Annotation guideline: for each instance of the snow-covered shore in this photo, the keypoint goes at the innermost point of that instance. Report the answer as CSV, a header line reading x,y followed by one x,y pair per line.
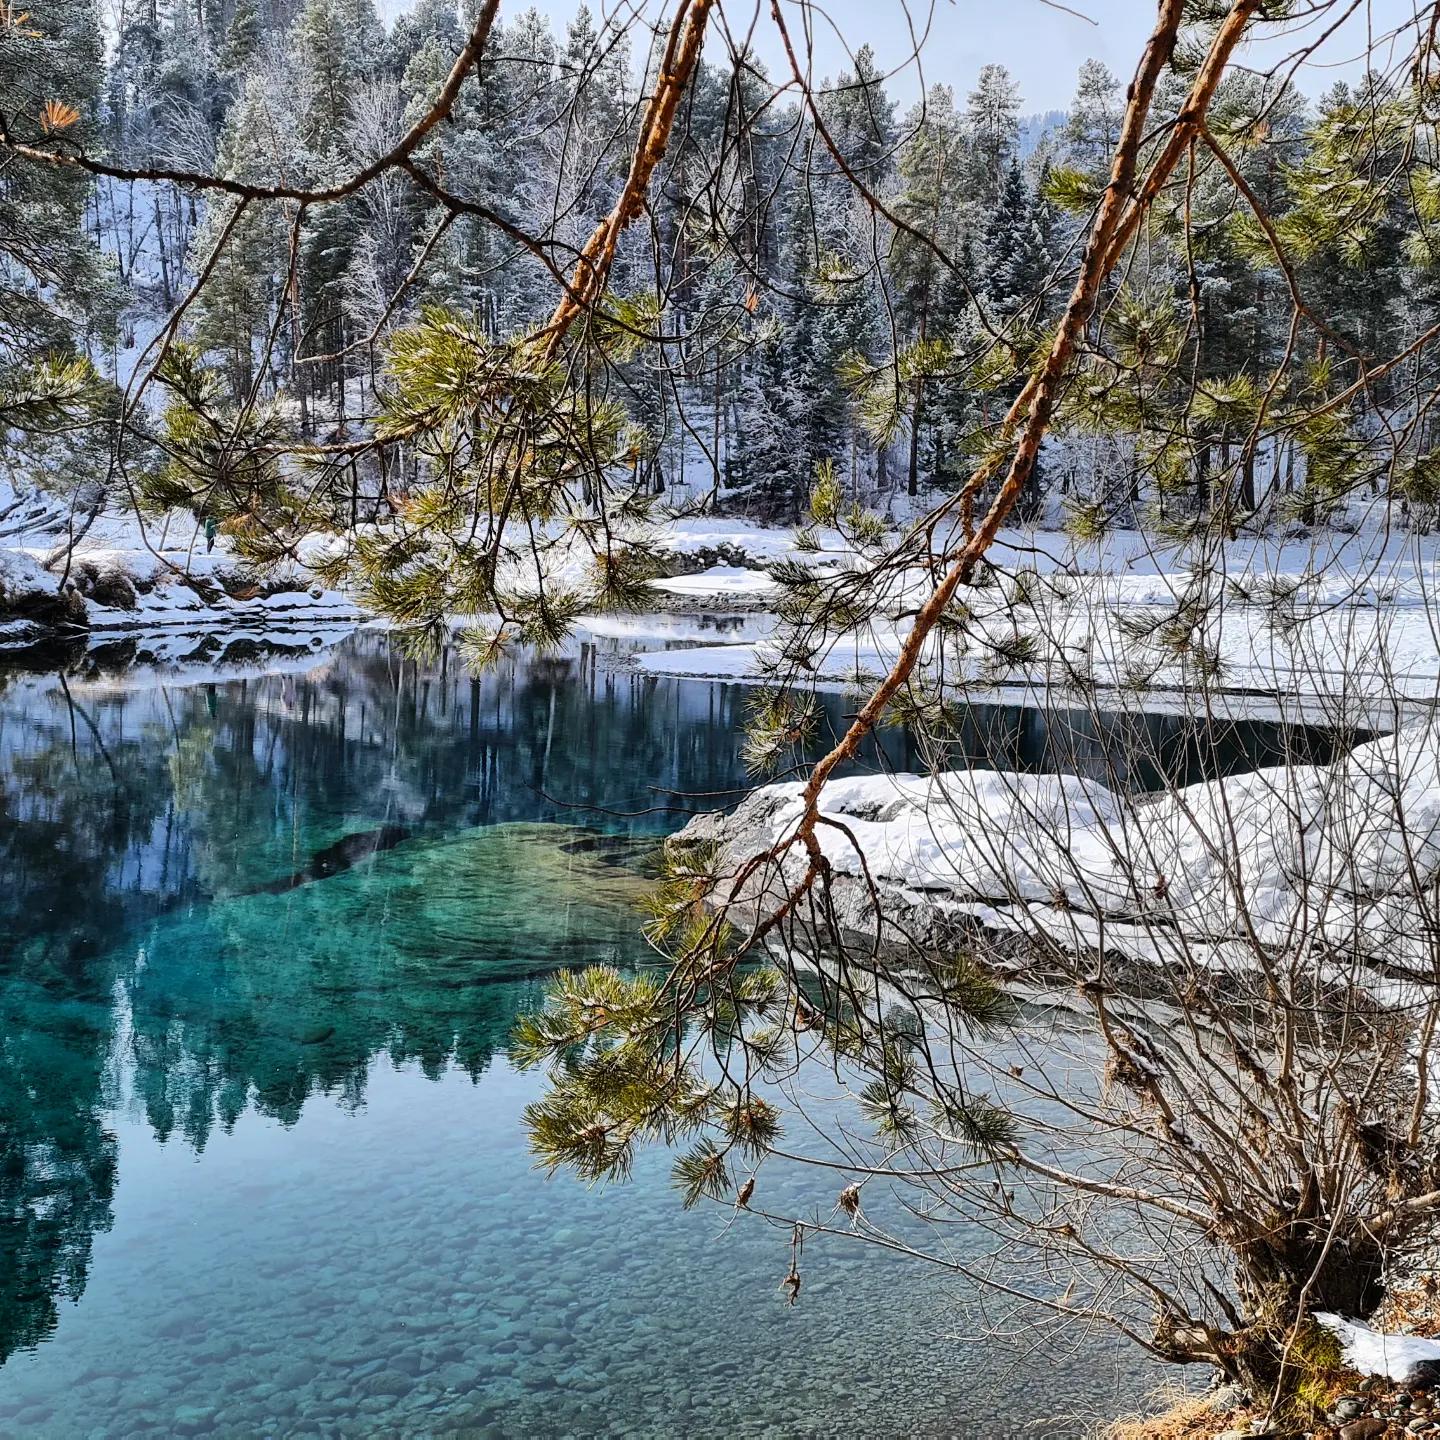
x,y
1343,619
123,575
1283,856
1336,622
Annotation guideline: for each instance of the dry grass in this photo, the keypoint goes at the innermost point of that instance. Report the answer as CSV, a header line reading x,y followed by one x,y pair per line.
x,y
1184,1416
1413,1309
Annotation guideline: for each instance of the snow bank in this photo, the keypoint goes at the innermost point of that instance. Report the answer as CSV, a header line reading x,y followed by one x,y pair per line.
x,y
20,572
126,574
1357,615
1349,652
748,542
1331,615
1405,1359
718,580
1287,855
31,604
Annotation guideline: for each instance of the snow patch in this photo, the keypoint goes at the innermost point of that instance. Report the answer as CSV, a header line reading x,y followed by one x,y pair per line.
x,y
1405,1359
718,580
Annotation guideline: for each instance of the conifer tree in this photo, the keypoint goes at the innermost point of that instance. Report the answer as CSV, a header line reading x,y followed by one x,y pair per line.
x,y
931,169
992,118
1093,123
54,284
58,294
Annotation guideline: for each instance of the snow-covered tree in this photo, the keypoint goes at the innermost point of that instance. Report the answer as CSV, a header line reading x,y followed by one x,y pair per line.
x,y
992,116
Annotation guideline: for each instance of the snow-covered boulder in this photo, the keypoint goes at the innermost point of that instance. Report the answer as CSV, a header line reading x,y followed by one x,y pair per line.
x,y
30,595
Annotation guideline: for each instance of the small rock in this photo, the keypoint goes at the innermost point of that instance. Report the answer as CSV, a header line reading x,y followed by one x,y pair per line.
x,y
192,1419
1347,1407
1364,1429
1420,1424
1228,1397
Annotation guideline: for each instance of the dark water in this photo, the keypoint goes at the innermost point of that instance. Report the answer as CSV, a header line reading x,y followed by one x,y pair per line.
x,y
261,1163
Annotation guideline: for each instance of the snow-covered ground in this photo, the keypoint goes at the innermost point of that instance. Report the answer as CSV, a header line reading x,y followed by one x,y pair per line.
x,y
1407,1359
151,575
1344,618
1289,857
1341,620
719,582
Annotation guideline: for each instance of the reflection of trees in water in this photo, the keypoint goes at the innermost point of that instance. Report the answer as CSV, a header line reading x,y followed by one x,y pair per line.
x,y
119,811
74,807
145,820
428,956
57,1167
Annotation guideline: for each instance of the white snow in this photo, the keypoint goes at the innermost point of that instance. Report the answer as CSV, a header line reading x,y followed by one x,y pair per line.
x,y
1371,1352
680,628
168,561
1342,619
760,544
1285,855
22,574
718,580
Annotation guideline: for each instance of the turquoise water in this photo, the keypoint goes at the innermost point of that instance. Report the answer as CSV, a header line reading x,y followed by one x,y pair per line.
x,y
262,1169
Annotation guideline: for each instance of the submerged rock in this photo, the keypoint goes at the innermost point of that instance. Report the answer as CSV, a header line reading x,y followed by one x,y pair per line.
x,y
343,855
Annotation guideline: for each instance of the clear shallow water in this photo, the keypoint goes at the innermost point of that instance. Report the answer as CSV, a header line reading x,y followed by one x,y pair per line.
x,y
261,1163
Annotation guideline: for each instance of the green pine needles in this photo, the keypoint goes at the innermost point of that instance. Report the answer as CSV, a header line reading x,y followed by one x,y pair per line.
x,y
696,1054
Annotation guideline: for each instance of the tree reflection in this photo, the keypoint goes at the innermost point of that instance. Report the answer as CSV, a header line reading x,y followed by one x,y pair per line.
x,y
165,945
140,826
75,812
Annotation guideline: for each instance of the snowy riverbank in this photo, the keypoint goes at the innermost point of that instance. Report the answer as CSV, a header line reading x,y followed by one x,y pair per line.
x,y
124,576
1339,854
1338,622
1343,620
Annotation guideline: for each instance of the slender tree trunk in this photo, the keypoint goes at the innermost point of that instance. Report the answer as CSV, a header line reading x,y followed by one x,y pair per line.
x,y
912,478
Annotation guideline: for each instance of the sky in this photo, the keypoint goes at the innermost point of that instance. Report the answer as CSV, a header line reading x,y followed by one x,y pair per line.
x,y
1039,43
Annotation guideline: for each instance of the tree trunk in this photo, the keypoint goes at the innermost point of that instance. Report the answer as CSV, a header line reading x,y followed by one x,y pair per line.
x,y
912,482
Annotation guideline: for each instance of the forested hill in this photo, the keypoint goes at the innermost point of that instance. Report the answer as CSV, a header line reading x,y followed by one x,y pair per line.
x,y
803,314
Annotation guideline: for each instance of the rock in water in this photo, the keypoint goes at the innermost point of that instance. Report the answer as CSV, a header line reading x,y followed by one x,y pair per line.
x,y
345,853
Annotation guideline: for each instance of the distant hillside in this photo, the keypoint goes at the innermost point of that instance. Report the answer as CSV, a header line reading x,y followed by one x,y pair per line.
x,y
1034,128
